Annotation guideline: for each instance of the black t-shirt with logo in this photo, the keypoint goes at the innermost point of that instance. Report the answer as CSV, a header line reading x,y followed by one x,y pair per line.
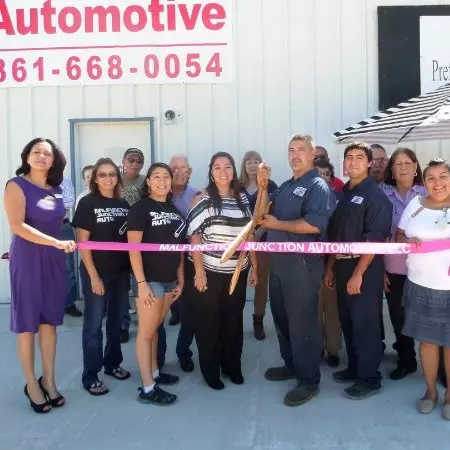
x,y
106,220
161,223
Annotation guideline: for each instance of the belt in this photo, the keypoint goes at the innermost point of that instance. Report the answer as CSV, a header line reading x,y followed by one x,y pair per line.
x,y
347,256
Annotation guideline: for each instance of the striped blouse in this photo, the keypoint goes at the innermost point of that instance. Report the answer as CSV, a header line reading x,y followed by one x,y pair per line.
x,y
215,227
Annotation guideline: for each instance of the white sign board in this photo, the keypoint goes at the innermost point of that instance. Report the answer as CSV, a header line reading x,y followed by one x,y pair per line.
x,y
73,42
434,52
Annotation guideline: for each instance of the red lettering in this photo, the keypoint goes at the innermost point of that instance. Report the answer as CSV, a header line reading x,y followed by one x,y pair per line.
x,y
76,20
189,20
142,18
155,10
32,27
5,23
47,12
102,15
214,12
171,18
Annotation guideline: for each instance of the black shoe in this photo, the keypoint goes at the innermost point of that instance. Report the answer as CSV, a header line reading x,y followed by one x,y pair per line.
x,y
174,320
72,310
344,376
166,378
401,372
186,364
333,360
358,391
299,395
235,379
124,336
39,408
157,396
216,384
279,373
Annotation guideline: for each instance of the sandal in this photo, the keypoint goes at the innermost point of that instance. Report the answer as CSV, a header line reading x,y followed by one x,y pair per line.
x,y
54,402
156,396
39,408
118,373
167,379
93,388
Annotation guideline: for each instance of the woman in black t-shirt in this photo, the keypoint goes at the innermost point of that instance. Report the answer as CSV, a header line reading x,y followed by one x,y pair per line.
x,y
102,216
160,276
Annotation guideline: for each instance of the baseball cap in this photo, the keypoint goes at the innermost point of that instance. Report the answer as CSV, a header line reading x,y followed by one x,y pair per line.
x,y
133,151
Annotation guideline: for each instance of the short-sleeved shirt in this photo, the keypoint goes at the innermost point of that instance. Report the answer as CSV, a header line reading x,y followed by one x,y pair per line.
x,y
363,214
309,198
218,227
397,263
161,223
430,270
183,200
106,220
132,189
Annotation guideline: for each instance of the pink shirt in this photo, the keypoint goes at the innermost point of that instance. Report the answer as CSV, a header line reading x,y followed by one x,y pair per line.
x,y
397,263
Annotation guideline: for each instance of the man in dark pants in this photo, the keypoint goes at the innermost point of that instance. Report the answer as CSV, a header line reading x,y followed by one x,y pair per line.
x,y
301,209
363,214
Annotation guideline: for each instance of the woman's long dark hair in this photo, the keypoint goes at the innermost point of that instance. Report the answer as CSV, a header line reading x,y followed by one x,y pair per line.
x,y
145,190
93,186
388,177
55,173
212,190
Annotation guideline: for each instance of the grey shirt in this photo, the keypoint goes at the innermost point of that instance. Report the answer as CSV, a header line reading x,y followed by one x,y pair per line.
x,y
132,189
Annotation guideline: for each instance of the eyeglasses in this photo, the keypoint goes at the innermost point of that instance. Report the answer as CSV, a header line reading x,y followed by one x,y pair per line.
x,y
109,175
135,160
325,173
180,169
317,157
379,160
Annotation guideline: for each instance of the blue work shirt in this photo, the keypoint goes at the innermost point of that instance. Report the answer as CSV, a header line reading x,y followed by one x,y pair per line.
x,y
363,214
309,198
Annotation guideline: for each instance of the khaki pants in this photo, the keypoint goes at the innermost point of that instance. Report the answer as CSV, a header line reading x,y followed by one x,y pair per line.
x,y
329,320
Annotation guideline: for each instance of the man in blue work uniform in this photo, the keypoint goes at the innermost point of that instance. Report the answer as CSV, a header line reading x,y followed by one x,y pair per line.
x,y
302,207
363,214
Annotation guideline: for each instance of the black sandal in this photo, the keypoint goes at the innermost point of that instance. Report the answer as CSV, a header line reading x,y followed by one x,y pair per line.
x,y
95,385
157,396
54,402
41,408
118,373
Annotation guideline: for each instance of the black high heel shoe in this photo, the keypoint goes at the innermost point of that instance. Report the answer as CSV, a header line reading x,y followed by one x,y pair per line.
x,y
54,402
41,408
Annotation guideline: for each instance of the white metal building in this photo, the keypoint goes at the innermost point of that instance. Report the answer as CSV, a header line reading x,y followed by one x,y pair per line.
x,y
300,65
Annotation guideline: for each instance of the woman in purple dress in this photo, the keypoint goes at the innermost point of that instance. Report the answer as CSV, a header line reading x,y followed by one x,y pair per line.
x,y
35,210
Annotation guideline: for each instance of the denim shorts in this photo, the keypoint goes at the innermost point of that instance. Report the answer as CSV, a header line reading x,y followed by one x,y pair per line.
x,y
160,289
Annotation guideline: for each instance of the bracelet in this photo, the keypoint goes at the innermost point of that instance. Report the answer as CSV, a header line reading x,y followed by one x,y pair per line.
x,y
139,282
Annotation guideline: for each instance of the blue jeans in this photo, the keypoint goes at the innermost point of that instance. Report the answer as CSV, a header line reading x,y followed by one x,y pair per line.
x,y
115,297
67,234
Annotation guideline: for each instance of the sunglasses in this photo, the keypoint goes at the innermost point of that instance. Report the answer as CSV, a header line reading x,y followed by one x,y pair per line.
x,y
109,175
135,160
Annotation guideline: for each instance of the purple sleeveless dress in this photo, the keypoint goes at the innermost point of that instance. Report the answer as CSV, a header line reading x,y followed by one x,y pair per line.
x,y
37,272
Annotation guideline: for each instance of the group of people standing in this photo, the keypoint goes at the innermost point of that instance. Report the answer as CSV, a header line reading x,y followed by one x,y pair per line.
x,y
307,293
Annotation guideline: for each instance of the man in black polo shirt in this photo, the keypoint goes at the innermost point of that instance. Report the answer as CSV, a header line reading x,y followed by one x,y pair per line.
x,y
363,214
301,210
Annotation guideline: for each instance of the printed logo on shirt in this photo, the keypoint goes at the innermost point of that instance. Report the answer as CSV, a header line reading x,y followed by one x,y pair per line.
x,y
163,218
357,200
48,203
104,215
299,191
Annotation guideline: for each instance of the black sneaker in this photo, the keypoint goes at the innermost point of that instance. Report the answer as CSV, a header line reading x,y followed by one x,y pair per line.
x,y
72,310
124,336
279,373
358,391
157,396
186,364
344,376
166,378
299,395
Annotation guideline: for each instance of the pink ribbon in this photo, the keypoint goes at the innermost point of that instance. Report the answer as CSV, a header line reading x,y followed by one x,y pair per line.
x,y
356,248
